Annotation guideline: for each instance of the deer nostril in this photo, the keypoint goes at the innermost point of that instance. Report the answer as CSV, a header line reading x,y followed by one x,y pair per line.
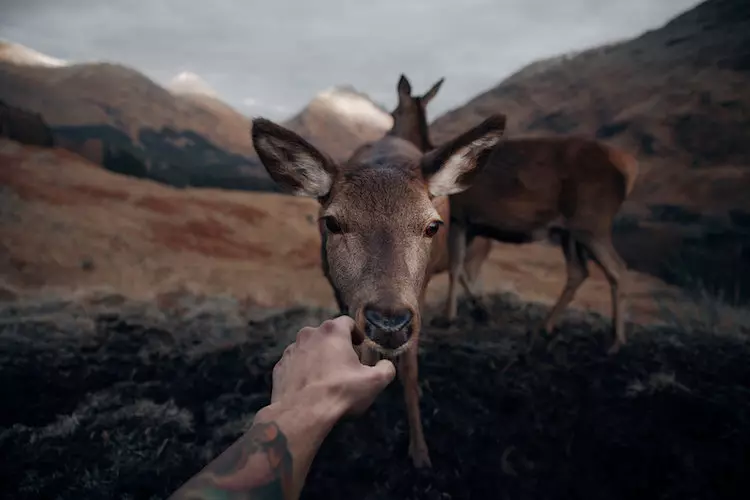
x,y
391,321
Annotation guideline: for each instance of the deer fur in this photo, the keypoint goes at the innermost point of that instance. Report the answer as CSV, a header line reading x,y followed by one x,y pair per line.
x,y
377,211
410,124
530,186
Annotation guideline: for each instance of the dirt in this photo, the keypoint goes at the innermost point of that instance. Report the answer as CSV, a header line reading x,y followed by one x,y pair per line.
x,y
111,398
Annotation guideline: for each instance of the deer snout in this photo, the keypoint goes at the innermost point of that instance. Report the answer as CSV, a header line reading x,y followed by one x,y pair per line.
x,y
388,328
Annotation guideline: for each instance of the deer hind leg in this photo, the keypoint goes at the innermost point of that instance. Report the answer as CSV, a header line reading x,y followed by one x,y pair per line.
x,y
457,255
577,272
614,269
408,371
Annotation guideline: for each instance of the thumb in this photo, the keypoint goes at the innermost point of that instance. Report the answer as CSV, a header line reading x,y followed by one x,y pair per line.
x,y
383,373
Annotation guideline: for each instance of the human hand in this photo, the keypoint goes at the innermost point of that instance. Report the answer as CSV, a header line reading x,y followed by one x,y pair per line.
x,y
322,368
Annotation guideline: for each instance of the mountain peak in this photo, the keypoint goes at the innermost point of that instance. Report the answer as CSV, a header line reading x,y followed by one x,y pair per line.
x,y
188,82
348,102
18,54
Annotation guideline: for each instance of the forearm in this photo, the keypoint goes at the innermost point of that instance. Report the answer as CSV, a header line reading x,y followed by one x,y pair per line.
x,y
270,461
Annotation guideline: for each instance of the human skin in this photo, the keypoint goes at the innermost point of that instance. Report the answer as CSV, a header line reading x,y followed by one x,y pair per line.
x,y
318,380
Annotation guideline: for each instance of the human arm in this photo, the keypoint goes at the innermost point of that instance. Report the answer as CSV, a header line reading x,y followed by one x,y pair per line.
x,y
318,380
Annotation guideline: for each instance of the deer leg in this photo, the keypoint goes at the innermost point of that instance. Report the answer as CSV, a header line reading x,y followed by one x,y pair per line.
x,y
408,371
422,295
470,277
456,255
368,356
481,311
577,272
614,269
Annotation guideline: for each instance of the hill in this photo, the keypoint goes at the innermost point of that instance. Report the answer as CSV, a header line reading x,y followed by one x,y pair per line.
x,y
25,56
94,228
676,96
182,136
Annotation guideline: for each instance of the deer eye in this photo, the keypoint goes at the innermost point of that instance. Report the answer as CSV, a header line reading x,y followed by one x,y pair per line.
x,y
332,225
432,228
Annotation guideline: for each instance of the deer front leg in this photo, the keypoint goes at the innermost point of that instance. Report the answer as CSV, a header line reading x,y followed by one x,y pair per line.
x,y
456,255
368,356
409,378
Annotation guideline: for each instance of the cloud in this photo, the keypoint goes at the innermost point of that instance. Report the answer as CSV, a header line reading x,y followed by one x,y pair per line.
x,y
288,51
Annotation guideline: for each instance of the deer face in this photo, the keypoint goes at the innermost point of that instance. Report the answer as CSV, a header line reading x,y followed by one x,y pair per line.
x,y
377,217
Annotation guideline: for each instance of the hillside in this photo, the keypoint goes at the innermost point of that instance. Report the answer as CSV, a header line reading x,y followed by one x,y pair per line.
x,y
24,56
94,228
183,135
676,96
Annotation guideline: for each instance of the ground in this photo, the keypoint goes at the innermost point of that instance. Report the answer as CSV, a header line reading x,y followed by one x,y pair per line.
x,y
105,397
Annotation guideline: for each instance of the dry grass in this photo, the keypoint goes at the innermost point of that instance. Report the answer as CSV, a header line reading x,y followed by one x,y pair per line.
x,y
94,228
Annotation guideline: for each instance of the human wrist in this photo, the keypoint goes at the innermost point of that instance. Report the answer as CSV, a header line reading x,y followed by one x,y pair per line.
x,y
312,408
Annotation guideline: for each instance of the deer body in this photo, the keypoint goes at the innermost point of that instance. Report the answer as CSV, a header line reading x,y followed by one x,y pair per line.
x,y
531,185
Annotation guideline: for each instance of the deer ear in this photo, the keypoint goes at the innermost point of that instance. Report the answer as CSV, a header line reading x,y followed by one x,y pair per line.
x,y
295,164
404,87
452,167
430,94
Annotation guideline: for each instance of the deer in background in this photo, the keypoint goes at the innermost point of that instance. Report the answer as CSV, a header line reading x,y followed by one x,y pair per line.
x,y
530,186
381,224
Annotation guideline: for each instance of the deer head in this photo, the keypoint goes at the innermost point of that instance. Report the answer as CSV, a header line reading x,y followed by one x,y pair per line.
x,y
410,115
377,217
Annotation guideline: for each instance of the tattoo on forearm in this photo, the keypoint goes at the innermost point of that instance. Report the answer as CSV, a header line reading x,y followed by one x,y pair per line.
x,y
257,466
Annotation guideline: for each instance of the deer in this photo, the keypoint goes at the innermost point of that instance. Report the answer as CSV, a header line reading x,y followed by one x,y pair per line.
x,y
532,187
383,222
410,124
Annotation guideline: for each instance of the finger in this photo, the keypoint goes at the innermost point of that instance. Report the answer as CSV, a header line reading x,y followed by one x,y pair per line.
x,y
305,334
383,373
345,324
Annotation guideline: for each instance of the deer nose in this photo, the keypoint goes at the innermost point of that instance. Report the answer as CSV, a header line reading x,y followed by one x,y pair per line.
x,y
391,321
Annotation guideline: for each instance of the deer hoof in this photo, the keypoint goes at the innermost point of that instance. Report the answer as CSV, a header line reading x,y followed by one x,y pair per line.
x,y
420,456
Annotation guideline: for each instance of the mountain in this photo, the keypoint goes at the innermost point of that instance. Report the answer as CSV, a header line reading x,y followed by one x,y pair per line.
x,y
115,116
191,84
340,119
182,135
18,54
678,98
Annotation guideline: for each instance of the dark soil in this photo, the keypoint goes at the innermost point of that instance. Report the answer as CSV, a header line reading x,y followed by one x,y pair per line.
x,y
129,403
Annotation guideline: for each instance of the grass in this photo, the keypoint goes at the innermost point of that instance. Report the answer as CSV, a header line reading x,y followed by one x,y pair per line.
x,y
127,400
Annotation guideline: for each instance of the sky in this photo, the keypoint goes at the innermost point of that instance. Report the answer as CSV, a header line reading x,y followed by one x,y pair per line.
x,y
271,57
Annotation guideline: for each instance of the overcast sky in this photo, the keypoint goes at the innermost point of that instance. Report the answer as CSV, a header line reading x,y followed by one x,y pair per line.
x,y
270,57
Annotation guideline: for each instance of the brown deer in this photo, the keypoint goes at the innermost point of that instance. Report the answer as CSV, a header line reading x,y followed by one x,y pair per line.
x,y
529,186
382,215
410,124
